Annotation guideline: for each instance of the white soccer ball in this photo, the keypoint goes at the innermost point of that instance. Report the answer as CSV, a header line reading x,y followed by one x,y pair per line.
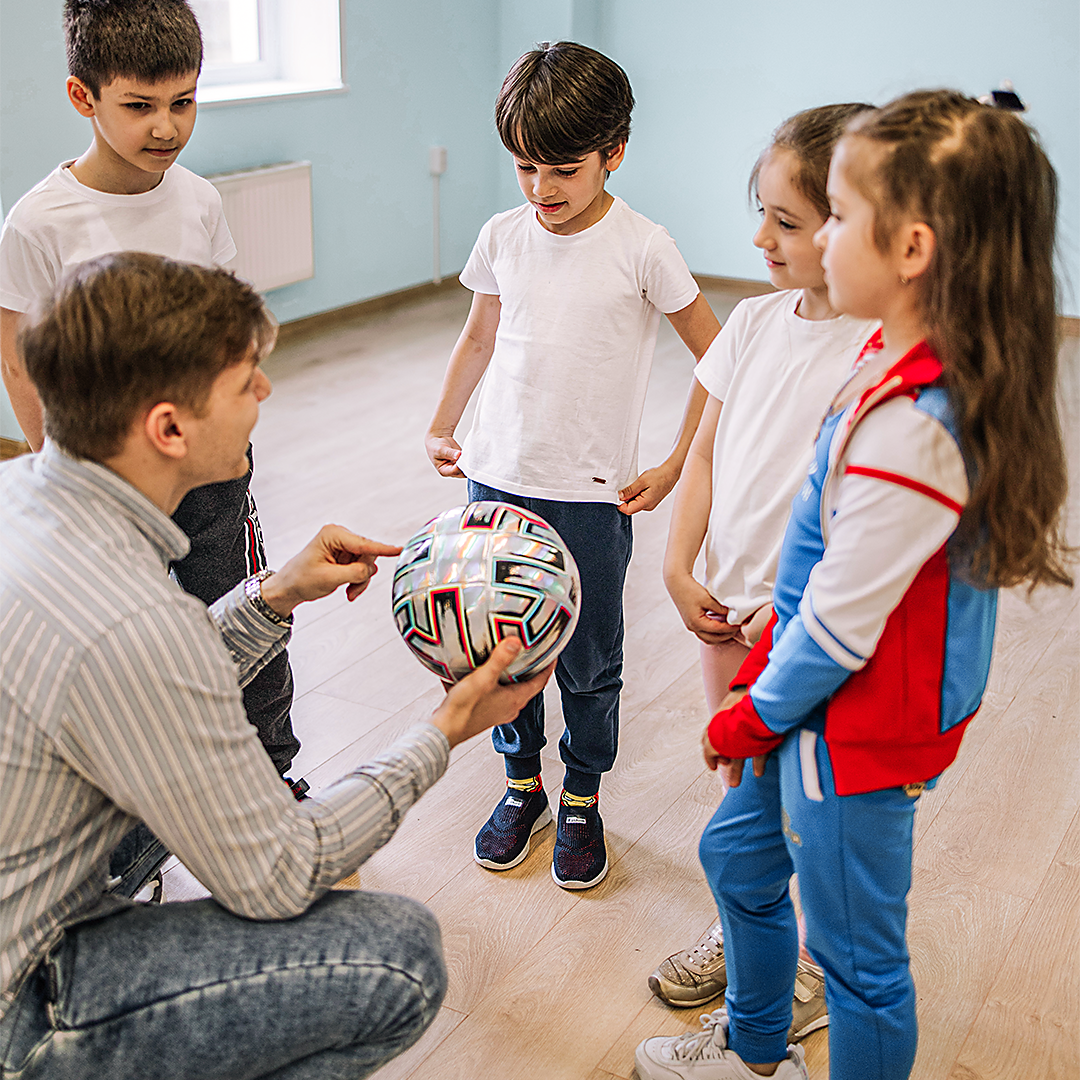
x,y
478,573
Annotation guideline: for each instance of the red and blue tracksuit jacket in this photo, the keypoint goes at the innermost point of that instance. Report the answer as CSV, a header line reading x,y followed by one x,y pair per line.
x,y
874,628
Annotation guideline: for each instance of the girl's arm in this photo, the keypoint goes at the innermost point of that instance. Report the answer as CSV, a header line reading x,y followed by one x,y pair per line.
x,y
689,523
467,365
697,326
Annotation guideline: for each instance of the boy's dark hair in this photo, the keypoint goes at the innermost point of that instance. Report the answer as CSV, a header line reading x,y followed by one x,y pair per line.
x,y
561,102
147,40
123,332
811,135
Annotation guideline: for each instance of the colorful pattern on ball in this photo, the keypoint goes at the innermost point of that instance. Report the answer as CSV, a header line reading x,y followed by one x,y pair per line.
x,y
478,573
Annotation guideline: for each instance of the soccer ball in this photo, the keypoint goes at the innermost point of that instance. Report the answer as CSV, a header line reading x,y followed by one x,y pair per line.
x,y
478,573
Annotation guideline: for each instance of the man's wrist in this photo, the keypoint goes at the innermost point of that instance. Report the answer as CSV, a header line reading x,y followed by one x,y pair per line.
x,y
280,613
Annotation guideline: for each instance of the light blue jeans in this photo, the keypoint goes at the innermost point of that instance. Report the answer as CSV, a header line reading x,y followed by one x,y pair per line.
x,y
187,991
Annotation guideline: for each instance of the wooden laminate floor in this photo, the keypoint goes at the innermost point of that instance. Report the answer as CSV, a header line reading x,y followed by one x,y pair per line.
x,y
550,985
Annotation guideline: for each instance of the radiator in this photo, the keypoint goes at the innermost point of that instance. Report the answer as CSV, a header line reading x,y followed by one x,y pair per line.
x,y
269,215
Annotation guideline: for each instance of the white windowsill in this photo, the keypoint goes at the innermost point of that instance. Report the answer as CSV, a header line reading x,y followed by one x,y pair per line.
x,y
250,93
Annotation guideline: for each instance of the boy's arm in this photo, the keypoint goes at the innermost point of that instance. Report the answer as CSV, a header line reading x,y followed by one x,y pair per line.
x,y
468,362
20,390
689,522
697,326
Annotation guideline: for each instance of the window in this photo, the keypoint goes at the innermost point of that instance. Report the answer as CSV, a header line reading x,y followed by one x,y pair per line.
x,y
268,48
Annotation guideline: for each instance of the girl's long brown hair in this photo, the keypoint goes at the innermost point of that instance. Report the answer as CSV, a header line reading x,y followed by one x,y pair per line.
x,y
979,178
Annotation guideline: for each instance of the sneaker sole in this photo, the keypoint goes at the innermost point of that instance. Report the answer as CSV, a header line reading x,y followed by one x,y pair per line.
x,y
814,1025
541,822
579,884
658,989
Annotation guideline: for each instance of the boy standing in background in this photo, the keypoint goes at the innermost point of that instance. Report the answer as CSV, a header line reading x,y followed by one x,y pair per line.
x,y
133,67
569,289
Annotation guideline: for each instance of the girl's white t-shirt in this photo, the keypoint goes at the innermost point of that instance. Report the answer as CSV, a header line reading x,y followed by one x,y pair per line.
x,y
776,374
560,404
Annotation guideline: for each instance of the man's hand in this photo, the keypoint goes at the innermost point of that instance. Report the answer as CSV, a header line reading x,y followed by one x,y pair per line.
x,y
480,701
649,489
730,769
701,612
443,452
334,558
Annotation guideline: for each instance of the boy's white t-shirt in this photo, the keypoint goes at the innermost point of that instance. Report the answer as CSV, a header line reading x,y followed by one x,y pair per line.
x,y
561,401
776,375
59,223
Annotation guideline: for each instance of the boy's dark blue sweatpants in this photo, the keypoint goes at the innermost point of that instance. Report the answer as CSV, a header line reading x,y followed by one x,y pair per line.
x,y
222,522
226,547
589,669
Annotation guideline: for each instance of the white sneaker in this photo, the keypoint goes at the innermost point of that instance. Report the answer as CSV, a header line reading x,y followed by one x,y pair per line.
x,y
704,1055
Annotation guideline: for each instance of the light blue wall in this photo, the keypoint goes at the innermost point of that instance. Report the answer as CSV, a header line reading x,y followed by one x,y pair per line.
x,y
713,79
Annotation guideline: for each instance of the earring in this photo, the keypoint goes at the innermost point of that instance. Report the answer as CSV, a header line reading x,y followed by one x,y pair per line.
x,y
904,280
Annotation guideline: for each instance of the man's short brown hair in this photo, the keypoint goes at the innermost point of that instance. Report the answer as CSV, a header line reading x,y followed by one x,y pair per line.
x,y
123,332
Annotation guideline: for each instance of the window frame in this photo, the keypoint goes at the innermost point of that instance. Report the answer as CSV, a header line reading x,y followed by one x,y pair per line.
x,y
265,79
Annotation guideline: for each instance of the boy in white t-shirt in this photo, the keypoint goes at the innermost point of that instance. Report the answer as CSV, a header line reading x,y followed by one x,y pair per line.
x,y
133,68
569,289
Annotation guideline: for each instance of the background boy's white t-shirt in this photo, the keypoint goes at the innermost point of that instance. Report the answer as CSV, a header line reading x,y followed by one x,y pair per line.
x,y
776,375
59,223
561,401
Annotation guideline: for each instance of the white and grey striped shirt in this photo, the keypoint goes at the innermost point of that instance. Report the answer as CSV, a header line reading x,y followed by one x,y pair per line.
x,y
120,700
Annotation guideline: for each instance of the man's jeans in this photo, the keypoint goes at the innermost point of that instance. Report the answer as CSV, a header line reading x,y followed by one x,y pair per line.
x,y
189,991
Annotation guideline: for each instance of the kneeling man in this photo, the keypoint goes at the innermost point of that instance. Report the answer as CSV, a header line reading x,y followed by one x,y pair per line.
x,y
120,702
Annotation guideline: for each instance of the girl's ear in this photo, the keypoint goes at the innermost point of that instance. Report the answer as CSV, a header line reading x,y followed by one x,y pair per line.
x,y
916,245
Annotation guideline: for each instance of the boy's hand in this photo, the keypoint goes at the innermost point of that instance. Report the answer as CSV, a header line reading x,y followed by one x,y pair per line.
x,y
443,452
480,701
648,490
700,611
334,558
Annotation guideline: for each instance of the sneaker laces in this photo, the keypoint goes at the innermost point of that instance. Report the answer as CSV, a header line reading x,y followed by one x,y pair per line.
x,y
706,950
709,1044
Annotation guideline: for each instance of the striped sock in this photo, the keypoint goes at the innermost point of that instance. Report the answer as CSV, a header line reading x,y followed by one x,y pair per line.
x,y
534,783
578,801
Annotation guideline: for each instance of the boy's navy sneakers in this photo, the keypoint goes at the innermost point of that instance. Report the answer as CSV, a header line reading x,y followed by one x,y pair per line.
x,y
580,860
504,840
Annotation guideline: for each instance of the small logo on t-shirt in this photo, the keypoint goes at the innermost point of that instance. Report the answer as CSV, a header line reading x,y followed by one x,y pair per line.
x,y
598,480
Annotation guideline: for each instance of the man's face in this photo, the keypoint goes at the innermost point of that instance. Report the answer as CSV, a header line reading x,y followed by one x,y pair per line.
x,y
218,438
140,127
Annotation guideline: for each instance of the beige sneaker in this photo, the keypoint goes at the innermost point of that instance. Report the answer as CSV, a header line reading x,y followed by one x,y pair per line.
x,y
809,1011
694,976
704,1055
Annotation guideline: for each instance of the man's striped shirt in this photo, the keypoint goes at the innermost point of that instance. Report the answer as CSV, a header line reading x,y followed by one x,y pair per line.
x,y
120,700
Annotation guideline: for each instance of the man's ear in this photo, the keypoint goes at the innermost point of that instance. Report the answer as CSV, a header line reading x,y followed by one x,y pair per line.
x,y
917,244
615,157
165,429
80,96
